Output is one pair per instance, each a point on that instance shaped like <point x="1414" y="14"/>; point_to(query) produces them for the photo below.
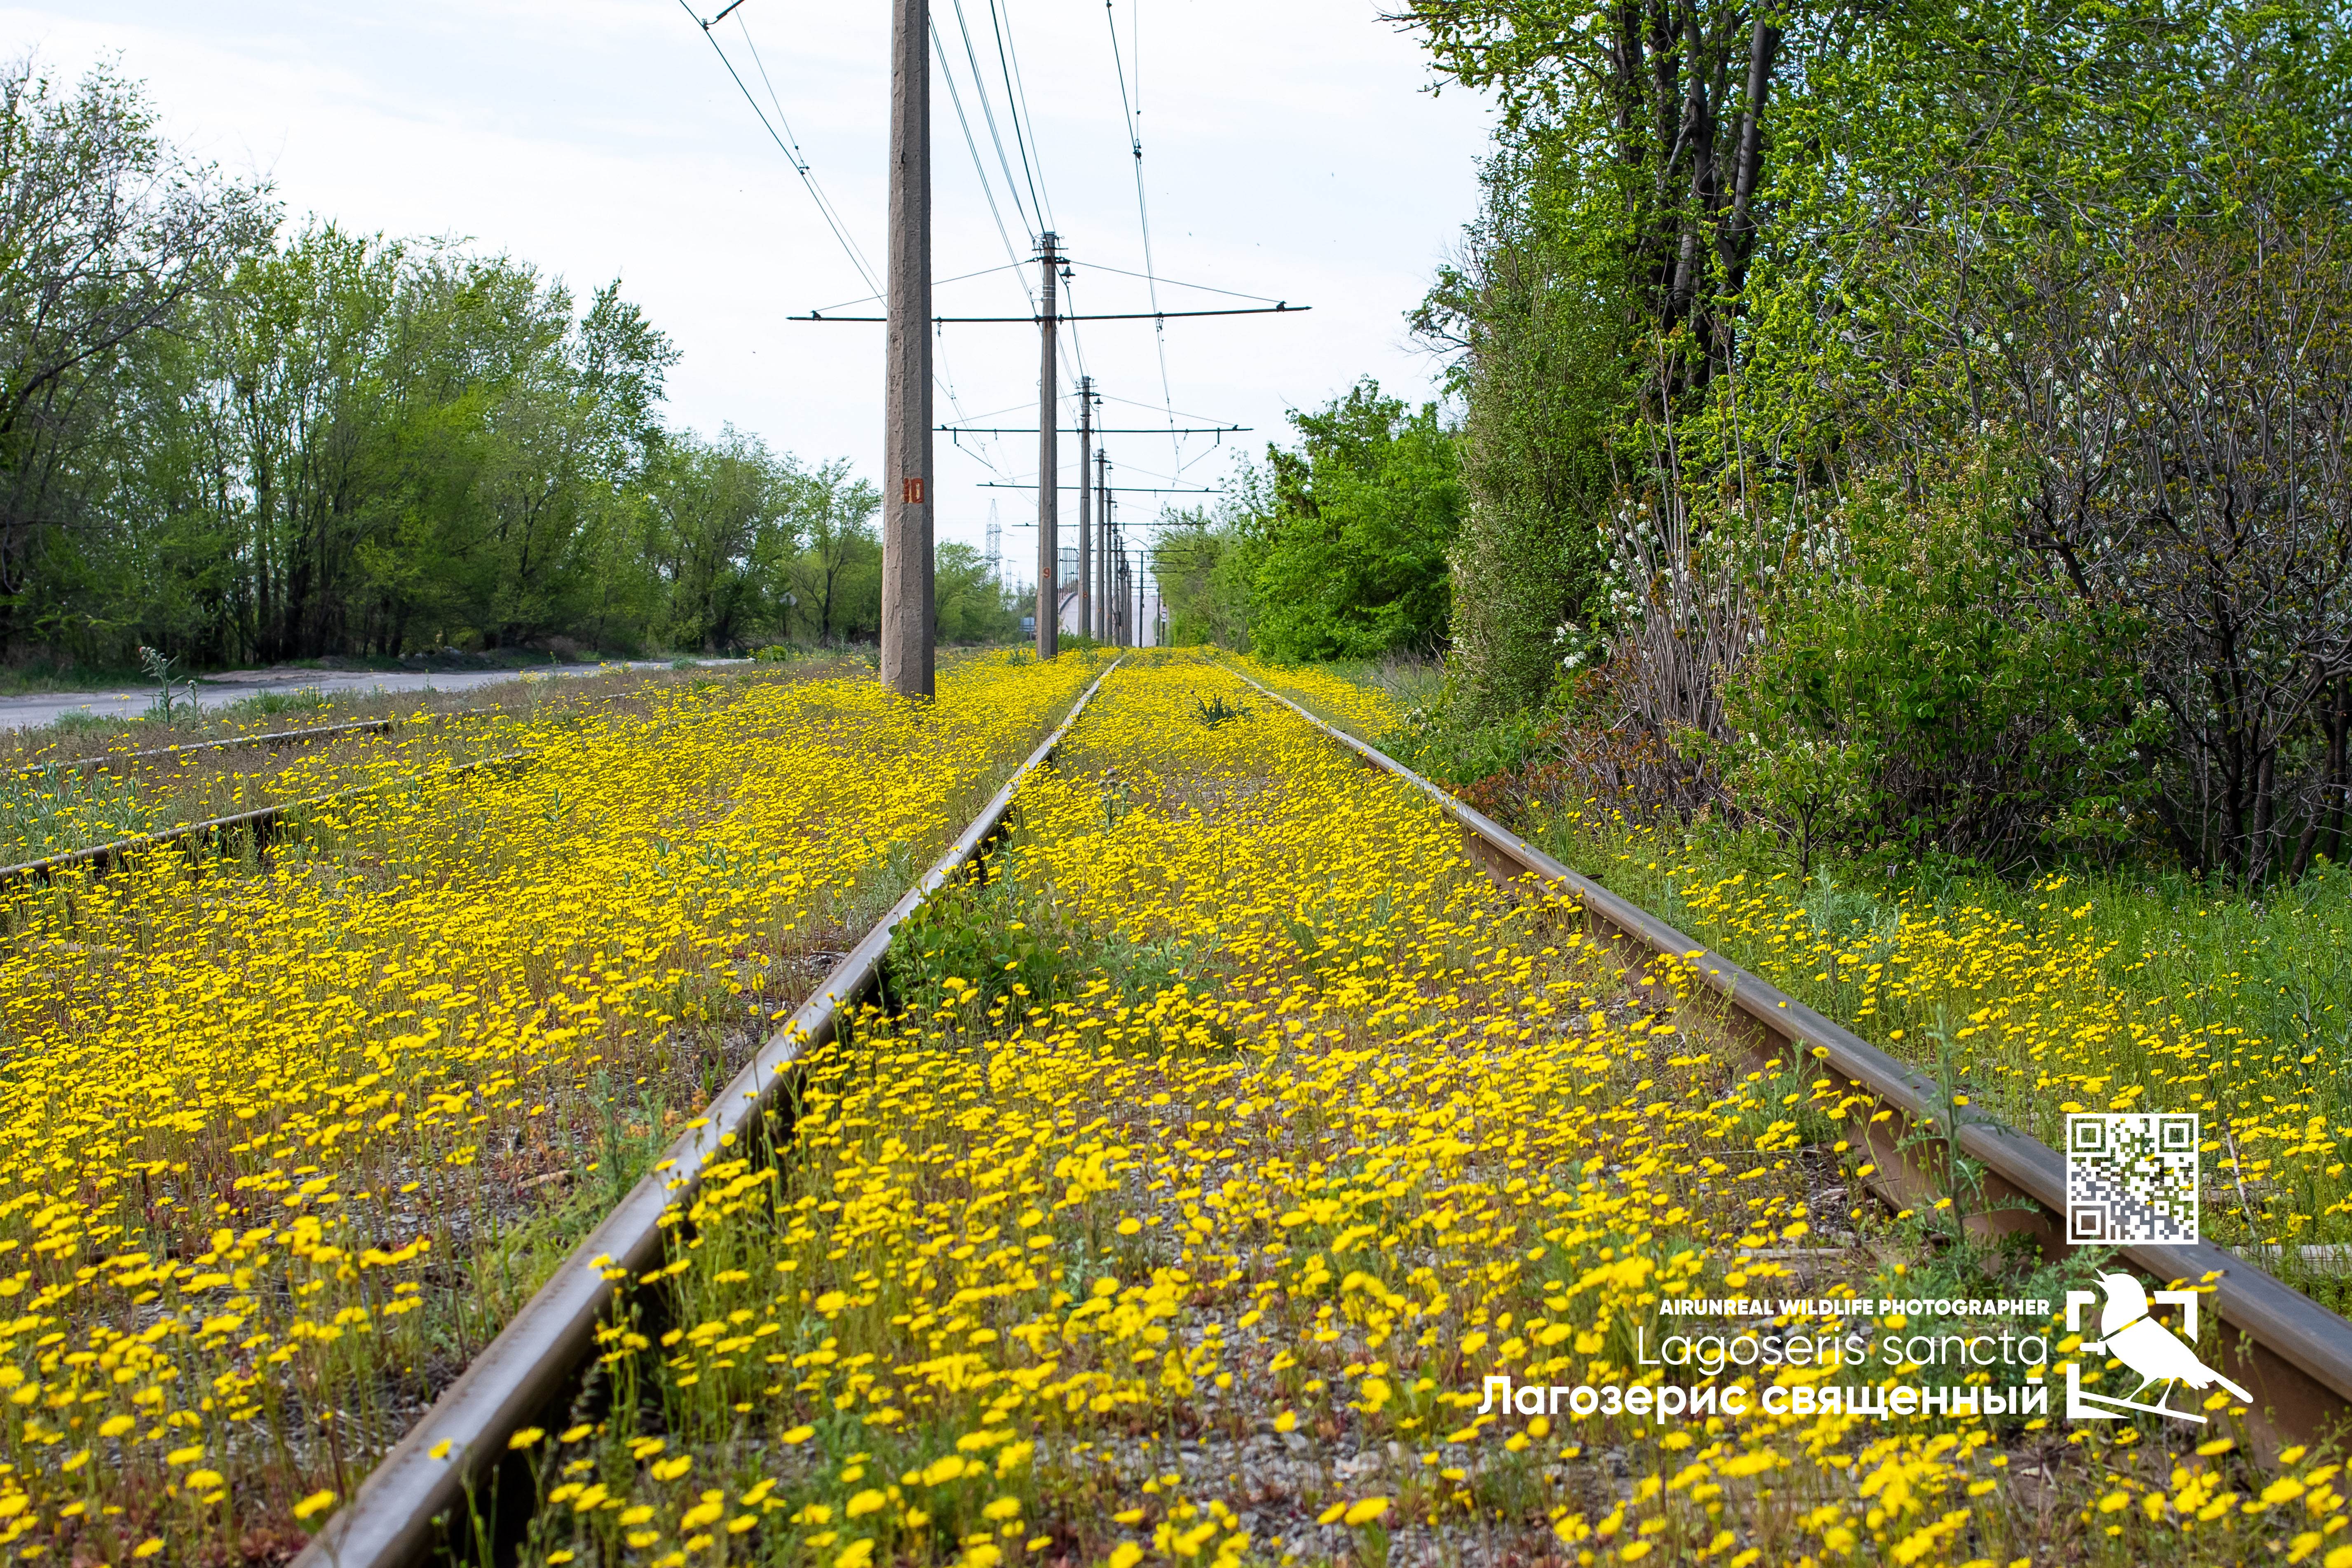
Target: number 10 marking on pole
<point x="910" y="491"/>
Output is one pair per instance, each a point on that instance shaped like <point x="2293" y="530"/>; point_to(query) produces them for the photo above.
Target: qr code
<point x="2131" y="1178"/>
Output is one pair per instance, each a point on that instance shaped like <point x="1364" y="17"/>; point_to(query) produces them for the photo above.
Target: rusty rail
<point x="396" y="1516"/>
<point x="102" y="856"/>
<point x="2296" y="1355"/>
<point x="236" y="743"/>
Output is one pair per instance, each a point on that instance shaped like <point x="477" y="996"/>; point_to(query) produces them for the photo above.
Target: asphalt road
<point x="25" y="712"/>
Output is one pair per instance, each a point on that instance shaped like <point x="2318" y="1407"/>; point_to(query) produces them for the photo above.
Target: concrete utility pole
<point x="1102" y="546"/>
<point x="907" y="589"/>
<point x="1125" y="625"/>
<point x="1049" y="476"/>
<point x="1085" y="511"/>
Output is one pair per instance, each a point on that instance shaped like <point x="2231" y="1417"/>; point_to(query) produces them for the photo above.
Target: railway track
<point x="273" y="739"/>
<point x="2296" y="1355"/>
<point x="532" y="1363"/>
<point x="259" y="822"/>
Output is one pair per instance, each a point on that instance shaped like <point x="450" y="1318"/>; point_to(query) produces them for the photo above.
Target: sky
<point x="1292" y="150"/>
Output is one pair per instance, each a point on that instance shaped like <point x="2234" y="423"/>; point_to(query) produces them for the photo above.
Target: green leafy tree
<point x="108" y="235"/>
<point x="723" y="525"/>
<point x="1350" y="561"/>
<point x="968" y="603"/>
<point x="836" y="578"/>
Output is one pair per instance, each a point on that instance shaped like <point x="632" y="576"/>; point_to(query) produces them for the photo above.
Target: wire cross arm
<point x="1099" y="429"/>
<point x="1115" y="490"/>
<point x="1282" y="309"/>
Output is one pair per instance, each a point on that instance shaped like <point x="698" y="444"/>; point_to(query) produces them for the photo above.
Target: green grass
<point x="2275" y="964"/>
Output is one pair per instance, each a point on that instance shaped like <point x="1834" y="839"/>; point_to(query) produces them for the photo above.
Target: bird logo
<point x="2145" y="1346"/>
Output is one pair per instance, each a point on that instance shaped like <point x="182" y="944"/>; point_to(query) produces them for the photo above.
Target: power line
<point x="790" y="145"/>
<point x="787" y="143"/>
<point x="1131" y="403"/>
<point x="1116" y="490"/>
<point x="1100" y="430"/>
<point x="1172" y="283"/>
<point x="1131" y="122"/>
<point x="1285" y="309"/>
<point x="1025" y="124"/>
<point x="943" y="282"/>
<point x="988" y="113"/>
<point x="956" y="99"/>
<point x="1075" y="350"/>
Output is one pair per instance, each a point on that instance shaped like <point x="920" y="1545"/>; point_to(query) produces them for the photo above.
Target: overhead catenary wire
<point x="1027" y="192"/>
<point x="1285" y="309"/>
<point x="1132" y="119"/>
<point x="1115" y="489"/>
<point x="1025" y="124"/>
<point x="1177" y="283"/>
<point x="1131" y="403"/>
<point x="940" y="51"/>
<point x="1033" y="221"/>
<point x="1069" y="351"/>
<point x="789" y="146"/>
<point x="987" y="116"/>
<point x="987" y="190"/>
<point x="936" y="283"/>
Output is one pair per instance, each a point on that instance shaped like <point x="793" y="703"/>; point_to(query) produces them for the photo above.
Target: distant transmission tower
<point x="996" y="546"/>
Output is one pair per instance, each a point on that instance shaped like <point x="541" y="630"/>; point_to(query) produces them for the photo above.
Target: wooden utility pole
<point x="907" y="498"/>
<point x="1049" y="476"/>
<point x="1086" y="511"/>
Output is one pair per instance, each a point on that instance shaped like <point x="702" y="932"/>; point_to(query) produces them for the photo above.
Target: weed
<point x="1216" y="711"/>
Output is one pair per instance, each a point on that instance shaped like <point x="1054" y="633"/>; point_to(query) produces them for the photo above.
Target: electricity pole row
<point x="1049" y="467"/>
<point x="1086" y="525"/>
<point x="907" y="500"/>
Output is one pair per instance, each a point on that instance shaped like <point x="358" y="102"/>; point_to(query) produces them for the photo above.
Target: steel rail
<point x="275" y="737"/>
<point x="394" y="1518"/>
<point x="2296" y="1355"/>
<point x="101" y="856"/>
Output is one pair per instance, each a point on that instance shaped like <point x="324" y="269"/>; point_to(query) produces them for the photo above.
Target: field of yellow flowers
<point x="284" y="1138"/>
<point x="2041" y="1006"/>
<point x="1204" y="1161"/>
<point x="71" y="786"/>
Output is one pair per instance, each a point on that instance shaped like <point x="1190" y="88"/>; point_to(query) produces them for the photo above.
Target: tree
<point x="1200" y="565"/>
<point x="2185" y="422"/>
<point x="969" y="604"/>
<point x="1655" y="109"/>
<point x="1601" y="294"/>
<point x="1350" y="563"/>
<point x="837" y="576"/>
<point x="106" y="235"/>
<point x="1540" y="337"/>
<point x="725" y="520"/>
